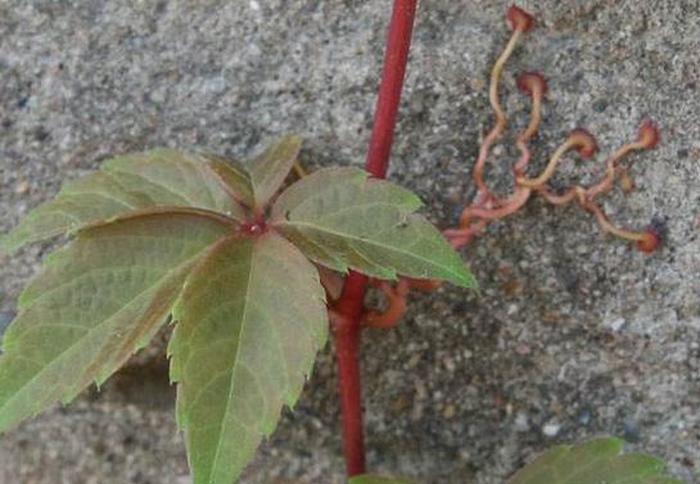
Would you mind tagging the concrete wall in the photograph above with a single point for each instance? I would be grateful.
(574, 334)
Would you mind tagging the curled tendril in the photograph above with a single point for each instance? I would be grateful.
(520, 22)
(487, 206)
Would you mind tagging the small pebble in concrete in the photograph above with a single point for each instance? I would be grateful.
(551, 428)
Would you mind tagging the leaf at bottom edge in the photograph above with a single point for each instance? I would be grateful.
(594, 462)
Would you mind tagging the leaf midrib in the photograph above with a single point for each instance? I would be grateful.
(224, 418)
(78, 276)
(353, 237)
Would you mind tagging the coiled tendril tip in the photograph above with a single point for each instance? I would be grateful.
(532, 83)
(584, 142)
(518, 19)
(649, 136)
(650, 241)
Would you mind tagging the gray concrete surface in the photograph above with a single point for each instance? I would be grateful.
(574, 335)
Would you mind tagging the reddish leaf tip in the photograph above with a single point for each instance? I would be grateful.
(584, 141)
(651, 240)
(518, 19)
(649, 134)
(532, 84)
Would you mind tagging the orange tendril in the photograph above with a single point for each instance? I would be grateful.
(573, 193)
(486, 207)
(462, 236)
(509, 206)
(647, 241)
(535, 86)
(580, 140)
(396, 305)
(520, 22)
(647, 138)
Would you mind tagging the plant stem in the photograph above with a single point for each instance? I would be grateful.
(350, 307)
(347, 347)
(395, 60)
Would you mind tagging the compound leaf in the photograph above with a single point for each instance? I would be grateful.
(376, 479)
(594, 462)
(342, 219)
(157, 178)
(96, 302)
(269, 170)
(248, 326)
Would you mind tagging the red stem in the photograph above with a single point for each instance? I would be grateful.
(395, 60)
(350, 306)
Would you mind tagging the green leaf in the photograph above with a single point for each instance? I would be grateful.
(235, 177)
(269, 170)
(376, 479)
(249, 324)
(96, 302)
(595, 462)
(342, 219)
(156, 178)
